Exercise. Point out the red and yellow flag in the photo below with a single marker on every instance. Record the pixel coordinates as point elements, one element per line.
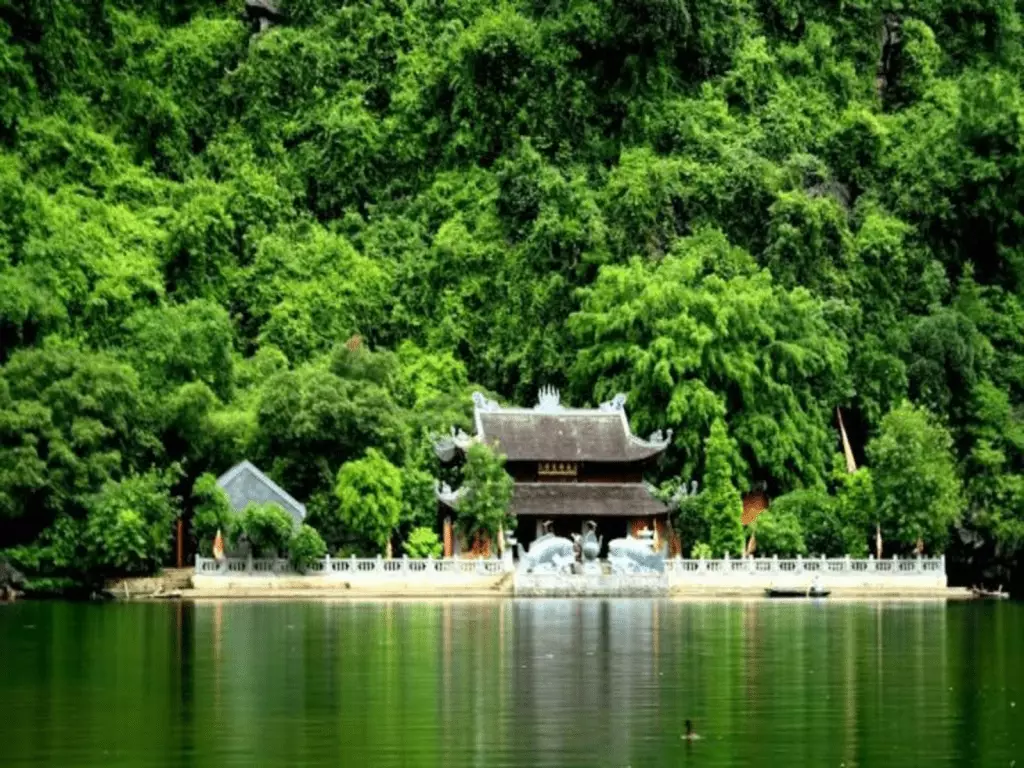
<point>218,546</point>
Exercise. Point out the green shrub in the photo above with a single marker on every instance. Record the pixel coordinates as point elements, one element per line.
<point>212,513</point>
<point>266,527</point>
<point>128,526</point>
<point>422,542</point>
<point>305,548</point>
<point>702,551</point>
<point>778,532</point>
<point>816,511</point>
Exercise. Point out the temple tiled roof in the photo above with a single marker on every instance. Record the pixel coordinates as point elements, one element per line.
<point>245,484</point>
<point>578,499</point>
<point>552,432</point>
<point>576,435</point>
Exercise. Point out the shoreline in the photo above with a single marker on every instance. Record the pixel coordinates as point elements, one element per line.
<point>186,585</point>
<point>949,594</point>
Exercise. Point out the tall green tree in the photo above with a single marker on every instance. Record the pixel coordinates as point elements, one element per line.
<point>484,507</point>
<point>369,503</point>
<point>722,504</point>
<point>920,495</point>
<point>702,334</point>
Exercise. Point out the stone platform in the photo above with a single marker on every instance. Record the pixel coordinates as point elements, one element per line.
<point>591,585</point>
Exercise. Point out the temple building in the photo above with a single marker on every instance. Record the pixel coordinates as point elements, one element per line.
<point>570,465</point>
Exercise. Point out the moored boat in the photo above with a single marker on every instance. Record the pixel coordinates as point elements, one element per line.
<point>797,592</point>
<point>988,594</point>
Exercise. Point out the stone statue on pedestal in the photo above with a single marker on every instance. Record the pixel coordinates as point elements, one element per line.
<point>548,554</point>
<point>635,555</point>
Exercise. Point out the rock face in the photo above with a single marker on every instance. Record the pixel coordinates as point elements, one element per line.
<point>264,12</point>
<point>266,8</point>
<point>11,581</point>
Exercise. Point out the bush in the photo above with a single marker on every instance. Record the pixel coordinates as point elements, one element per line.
<point>778,532</point>
<point>266,527</point>
<point>128,526</point>
<point>212,513</point>
<point>702,551</point>
<point>422,542</point>
<point>305,548</point>
<point>823,530</point>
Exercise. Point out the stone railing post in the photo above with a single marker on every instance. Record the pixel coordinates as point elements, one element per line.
<point>750,565</point>
<point>248,562</point>
<point>405,563</point>
<point>896,564</point>
<point>429,565</point>
<point>702,566</point>
<point>871,564</point>
<point>799,564</point>
<point>847,568</point>
<point>918,566</point>
<point>942,560</point>
<point>327,563</point>
<point>775,563</point>
<point>379,565</point>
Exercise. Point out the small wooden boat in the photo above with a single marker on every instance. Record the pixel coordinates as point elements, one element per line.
<point>988,594</point>
<point>797,592</point>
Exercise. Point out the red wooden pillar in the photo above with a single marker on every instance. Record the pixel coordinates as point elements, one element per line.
<point>447,537</point>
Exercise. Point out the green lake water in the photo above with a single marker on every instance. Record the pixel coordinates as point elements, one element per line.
<point>511,683</point>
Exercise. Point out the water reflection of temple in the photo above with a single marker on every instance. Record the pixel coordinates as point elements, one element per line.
<point>569,465</point>
<point>589,662</point>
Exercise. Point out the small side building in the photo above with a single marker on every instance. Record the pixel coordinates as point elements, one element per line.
<point>570,465</point>
<point>245,484</point>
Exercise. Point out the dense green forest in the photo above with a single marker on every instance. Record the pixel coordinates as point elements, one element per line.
<point>743,213</point>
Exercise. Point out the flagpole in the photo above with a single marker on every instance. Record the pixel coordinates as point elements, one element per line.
<point>851,467</point>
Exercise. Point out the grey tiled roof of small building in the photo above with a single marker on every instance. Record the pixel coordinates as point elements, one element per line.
<point>245,484</point>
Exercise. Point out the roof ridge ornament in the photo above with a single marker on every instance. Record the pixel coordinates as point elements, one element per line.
<point>616,404</point>
<point>445,446</point>
<point>446,495</point>
<point>483,403</point>
<point>660,438</point>
<point>548,400</point>
<point>682,493</point>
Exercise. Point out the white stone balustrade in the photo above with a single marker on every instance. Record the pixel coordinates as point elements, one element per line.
<point>727,574</point>
<point>833,573</point>
<point>348,567</point>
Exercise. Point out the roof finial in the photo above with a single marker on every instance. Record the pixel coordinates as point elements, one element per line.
<point>617,403</point>
<point>548,400</point>
<point>483,403</point>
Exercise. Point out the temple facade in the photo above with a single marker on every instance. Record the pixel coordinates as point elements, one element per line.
<point>570,465</point>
